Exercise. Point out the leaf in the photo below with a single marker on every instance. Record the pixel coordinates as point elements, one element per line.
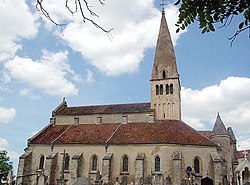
<point>204,30</point>
<point>235,13</point>
<point>178,29</point>
<point>177,2</point>
<point>211,27</point>
<point>241,25</point>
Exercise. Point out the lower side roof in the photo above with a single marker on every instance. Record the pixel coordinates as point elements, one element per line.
<point>159,132</point>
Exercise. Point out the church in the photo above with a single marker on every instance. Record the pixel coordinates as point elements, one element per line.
<point>137,143</point>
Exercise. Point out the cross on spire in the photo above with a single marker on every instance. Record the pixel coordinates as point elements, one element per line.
<point>163,5</point>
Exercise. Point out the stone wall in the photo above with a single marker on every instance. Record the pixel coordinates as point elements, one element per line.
<point>140,168</point>
<point>105,118</point>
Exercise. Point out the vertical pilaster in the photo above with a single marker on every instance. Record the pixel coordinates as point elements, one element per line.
<point>75,167</point>
<point>177,167</point>
<point>50,168</point>
<point>24,168</point>
<point>139,169</point>
<point>216,168</point>
<point>106,167</point>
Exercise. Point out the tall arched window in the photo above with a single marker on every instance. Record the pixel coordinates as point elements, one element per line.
<point>161,89</point>
<point>164,74</point>
<point>171,89</point>
<point>157,89</point>
<point>157,164</point>
<point>125,164</point>
<point>66,163</point>
<point>167,89</point>
<point>94,163</point>
<point>41,162</point>
<point>197,165</point>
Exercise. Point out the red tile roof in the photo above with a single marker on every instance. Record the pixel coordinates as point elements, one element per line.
<point>206,134</point>
<point>105,109</point>
<point>241,153</point>
<point>167,132</point>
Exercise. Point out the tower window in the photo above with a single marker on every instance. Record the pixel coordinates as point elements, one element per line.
<point>161,89</point>
<point>164,74</point>
<point>41,163</point>
<point>157,89</point>
<point>157,164</point>
<point>197,165</point>
<point>125,164</point>
<point>167,89</point>
<point>171,89</point>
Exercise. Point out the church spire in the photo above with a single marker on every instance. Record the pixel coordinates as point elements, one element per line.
<point>165,85</point>
<point>164,54</point>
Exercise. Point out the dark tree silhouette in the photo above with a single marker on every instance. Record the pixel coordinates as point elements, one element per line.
<point>5,166</point>
<point>210,12</point>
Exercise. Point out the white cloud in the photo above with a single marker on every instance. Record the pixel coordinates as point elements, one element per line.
<point>50,73</point>
<point>243,142</point>
<point>231,98</point>
<point>136,26</point>
<point>7,114</point>
<point>3,143</point>
<point>15,25</point>
<point>28,93</point>
<point>13,155</point>
<point>90,77</point>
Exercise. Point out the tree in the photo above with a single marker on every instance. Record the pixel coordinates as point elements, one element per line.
<point>5,166</point>
<point>210,12</point>
<point>74,7</point>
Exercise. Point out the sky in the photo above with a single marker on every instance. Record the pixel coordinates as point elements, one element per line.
<point>41,63</point>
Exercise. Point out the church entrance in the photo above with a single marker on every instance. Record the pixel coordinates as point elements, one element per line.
<point>207,181</point>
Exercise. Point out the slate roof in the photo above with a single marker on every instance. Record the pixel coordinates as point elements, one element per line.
<point>219,127</point>
<point>231,133</point>
<point>105,109</point>
<point>164,52</point>
<point>160,132</point>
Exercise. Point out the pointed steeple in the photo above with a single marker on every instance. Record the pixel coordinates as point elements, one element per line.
<point>219,127</point>
<point>165,84</point>
<point>164,54</point>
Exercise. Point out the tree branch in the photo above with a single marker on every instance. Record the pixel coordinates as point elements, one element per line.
<point>78,6</point>
<point>237,33</point>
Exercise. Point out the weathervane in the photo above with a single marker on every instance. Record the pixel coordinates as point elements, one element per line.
<point>163,4</point>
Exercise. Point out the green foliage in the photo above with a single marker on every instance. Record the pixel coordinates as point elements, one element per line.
<point>5,165</point>
<point>210,12</point>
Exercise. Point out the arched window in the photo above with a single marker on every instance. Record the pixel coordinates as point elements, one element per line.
<point>171,89</point>
<point>164,74</point>
<point>94,163</point>
<point>157,164</point>
<point>125,164</point>
<point>161,89</point>
<point>197,165</point>
<point>41,162</point>
<point>167,89</point>
<point>157,89</point>
<point>66,163</point>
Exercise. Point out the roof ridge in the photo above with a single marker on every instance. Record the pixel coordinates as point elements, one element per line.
<point>100,105</point>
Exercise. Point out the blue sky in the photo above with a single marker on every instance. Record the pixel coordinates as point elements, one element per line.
<point>40,64</point>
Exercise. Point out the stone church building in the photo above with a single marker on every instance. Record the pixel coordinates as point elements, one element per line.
<point>138,143</point>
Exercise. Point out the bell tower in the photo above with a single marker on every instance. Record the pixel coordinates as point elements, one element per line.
<point>165,83</point>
